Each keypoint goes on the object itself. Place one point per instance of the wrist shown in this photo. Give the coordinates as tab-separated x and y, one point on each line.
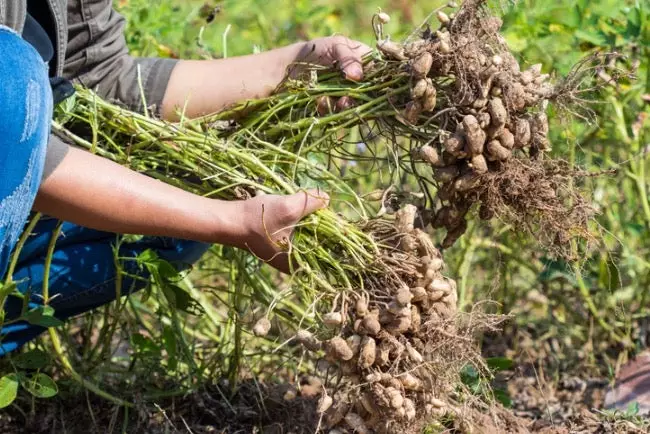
229	222
310	51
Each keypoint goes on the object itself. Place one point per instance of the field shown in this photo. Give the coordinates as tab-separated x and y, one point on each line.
181	357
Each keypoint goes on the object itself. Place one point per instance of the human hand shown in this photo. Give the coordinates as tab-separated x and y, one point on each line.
338	51
271	220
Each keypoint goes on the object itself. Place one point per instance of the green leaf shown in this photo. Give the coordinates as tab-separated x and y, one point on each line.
470	377
516	42
159	268
570	17
8	389
181	300
594	38
132	238
167	271
499	363
632	409
148	256
503	397
41	386
608	276
144	14
144	344
557	270
34	359
635	229
6	289
43	316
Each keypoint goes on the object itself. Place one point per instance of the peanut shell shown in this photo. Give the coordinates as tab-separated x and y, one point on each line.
420	88
474	135
421	65
497	152
367	352
339	349
429	154
479	164
262	327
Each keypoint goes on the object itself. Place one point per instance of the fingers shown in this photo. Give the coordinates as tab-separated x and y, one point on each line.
310	201
302	204
306	202
281	262
349	54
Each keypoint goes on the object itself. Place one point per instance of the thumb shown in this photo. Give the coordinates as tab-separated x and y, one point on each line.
309	201
349	54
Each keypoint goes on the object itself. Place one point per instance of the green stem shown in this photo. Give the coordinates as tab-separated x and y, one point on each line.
582	287
19	246
56	343
640	181
465	265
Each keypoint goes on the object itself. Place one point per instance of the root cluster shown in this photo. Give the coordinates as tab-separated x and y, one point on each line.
391	351
489	113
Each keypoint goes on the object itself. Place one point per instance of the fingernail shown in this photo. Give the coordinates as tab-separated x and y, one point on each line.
354	72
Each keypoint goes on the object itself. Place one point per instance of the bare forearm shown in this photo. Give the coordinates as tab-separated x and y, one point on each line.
97	193
207	86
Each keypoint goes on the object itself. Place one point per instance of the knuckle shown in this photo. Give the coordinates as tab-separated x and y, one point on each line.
339	40
285	211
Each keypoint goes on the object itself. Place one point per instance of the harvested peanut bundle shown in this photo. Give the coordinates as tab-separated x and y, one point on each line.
453	98
385	359
369	295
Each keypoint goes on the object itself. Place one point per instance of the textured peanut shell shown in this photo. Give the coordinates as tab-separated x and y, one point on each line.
522	133
367	352
474	135
422	65
429	154
455	145
479	164
507	139
339	349
497	152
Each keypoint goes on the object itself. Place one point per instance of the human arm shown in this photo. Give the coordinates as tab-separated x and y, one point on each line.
98	58
205	86
87	190
94	192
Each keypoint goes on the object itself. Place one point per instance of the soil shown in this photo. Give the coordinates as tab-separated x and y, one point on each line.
540	405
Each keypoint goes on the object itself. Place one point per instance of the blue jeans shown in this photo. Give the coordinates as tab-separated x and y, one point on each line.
82	274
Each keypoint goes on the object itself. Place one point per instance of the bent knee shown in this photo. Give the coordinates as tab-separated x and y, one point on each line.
25	93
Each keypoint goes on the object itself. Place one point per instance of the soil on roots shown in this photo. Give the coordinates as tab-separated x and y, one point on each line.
538	197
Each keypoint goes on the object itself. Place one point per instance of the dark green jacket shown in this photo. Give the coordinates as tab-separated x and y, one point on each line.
90	49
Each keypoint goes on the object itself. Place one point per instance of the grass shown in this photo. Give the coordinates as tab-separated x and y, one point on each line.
585	318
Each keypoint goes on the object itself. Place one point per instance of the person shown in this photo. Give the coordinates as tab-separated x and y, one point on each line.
45	46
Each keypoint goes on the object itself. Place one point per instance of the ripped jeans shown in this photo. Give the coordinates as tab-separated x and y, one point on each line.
82	273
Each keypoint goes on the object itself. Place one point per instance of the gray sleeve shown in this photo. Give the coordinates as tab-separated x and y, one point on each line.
97	57
56	152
